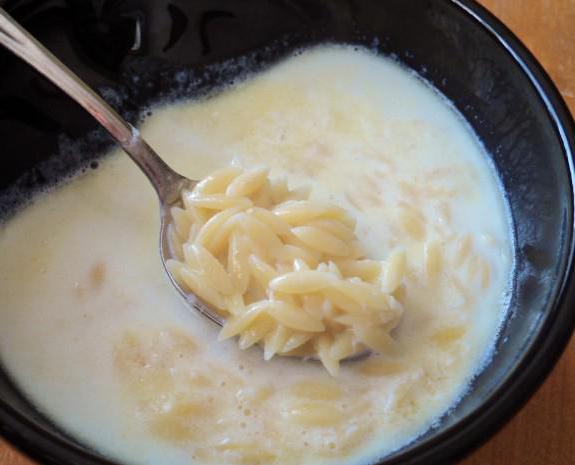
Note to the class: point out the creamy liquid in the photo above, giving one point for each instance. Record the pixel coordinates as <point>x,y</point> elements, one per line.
<point>94,333</point>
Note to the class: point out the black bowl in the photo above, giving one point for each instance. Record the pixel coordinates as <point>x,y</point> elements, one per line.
<point>457,45</point>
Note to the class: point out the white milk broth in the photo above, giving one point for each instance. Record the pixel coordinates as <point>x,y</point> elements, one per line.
<point>96,336</point>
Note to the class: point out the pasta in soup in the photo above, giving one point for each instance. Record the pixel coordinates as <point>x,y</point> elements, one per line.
<point>378,223</point>
<point>269,262</point>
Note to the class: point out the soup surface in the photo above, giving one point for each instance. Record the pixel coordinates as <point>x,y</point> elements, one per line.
<point>94,333</point>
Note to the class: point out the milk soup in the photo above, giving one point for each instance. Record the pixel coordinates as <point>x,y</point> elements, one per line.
<point>93,332</point>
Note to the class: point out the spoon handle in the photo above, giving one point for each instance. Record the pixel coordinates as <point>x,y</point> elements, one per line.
<point>167,182</point>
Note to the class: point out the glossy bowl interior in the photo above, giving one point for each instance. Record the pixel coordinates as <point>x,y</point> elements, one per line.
<point>139,52</point>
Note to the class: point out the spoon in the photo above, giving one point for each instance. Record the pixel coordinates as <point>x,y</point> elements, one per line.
<point>167,183</point>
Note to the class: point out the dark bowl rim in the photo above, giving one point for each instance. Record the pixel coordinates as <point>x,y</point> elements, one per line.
<point>529,372</point>
<point>535,365</point>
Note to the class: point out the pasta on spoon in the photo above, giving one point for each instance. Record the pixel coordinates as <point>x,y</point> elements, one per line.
<point>284,271</point>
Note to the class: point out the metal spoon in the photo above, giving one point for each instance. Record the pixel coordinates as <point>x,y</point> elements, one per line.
<point>166,181</point>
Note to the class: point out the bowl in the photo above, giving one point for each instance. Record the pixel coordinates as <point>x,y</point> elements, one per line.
<point>138,51</point>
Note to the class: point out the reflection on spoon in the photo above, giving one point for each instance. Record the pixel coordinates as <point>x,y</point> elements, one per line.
<point>167,182</point>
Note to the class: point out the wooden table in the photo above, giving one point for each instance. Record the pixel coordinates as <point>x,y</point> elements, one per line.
<point>542,433</point>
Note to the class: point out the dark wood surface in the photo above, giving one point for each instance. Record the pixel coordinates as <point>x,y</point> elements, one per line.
<point>543,432</point>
